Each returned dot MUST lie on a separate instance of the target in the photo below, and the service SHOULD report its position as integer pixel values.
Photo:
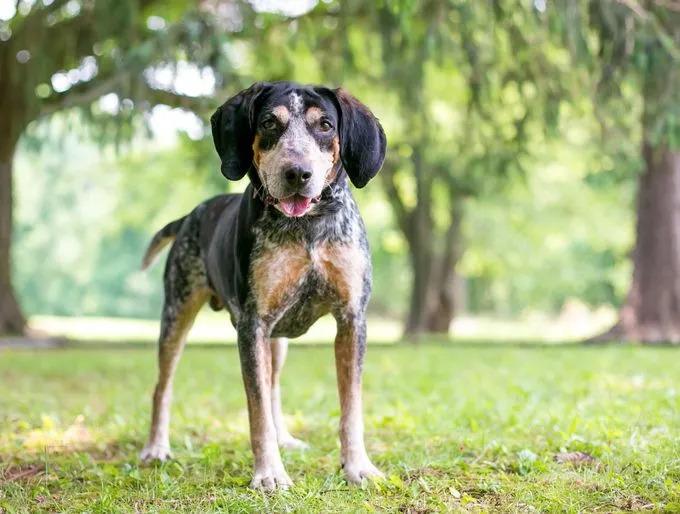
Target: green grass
(454, 427)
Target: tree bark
(12, 320)
(436, 294)
(420, 240)
(434, 297)
(651, 313)
(444, 286)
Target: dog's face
(298, 139)
(296, 149)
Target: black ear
(233, 131)
(362, 139)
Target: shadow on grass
(29, 465)
(115, 457)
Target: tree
(66, 54)
(466, 103)
(636, 49)
(459, 103)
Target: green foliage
(473, 428)
(85, 217)
(621, 45)
(465, 92)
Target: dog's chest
(294, 284)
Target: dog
(290, 249)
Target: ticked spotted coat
(288, 250)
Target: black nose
(297, 174)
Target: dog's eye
(269, 124)
(325, 125)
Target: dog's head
(299, 138)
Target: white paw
(153, 452)
(360, 468)
(292, 443)
(271, 478)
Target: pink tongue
(294, 205)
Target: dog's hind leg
(178, 316)
(279, 350)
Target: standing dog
(290, 249)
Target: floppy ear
(233, 131)
(362, 139)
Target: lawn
(454, 427)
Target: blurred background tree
(57, 55)
(512, 130)
(467, 100)
(630, 50)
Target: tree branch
(37, 11)
(143, 91)
(84, 93)
(87, 92)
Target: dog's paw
(151, 452)
(271, 478)
(359, 469)
(292, 443)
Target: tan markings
(343, 266)
(282, 113)
(345, 97)
(313, 115)
(333, 170)
(268, 472)
(275, 275)
(215, 303)
(348, 371)
(256, 150)
(154, 249)
(336, 150)
(348, 362)
(347, 367)
(259, 422)
(170, 349)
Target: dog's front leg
(255, 353)
(350, 346)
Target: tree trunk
(421, 267)
(12, 320)
(444, 286)
(420, 240)
(651, 313)
(434, 293)
(435, 290)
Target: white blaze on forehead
(296, 104)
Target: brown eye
(269, 124)
(325, 126)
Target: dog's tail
(162, 238)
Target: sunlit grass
(215, 327)
(455, 427)
(210, 327)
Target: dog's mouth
(293, 206)
(296, 205)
